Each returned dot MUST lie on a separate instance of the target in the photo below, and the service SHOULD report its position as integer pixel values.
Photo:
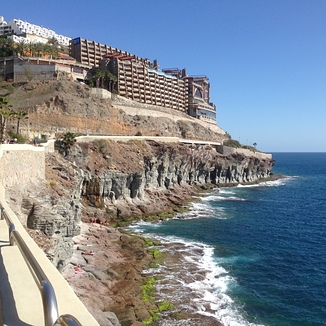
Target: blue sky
(265, 59)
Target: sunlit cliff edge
(107, 179)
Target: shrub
(19, 137)
(102, 145)
(53, 183)
(65, 144)
(232, 143)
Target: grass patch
(155, 313)
(158, 258)
(120, 224)
(149, 242)
(148, 289)
(53, 183)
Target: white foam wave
(201, 207)
(272, 183)
(197, 283)
(209, 198)
(226, 191)
(218, 197)
(197, 210)
(247, 186)
(231, 198)
(276, 183)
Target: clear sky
(265, 59)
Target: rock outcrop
(105, 181)
(51, 210)
(110, 182)
(144, 177)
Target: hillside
(61, 106)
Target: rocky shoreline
(110, 279)
(105, 272)
(112, 264)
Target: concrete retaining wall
(101, 93)
(21, 164)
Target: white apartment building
(22, 30)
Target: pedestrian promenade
(21, 298)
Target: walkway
(154, 138)
(21, 299)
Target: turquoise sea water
(253, 255)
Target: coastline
(110, 265)
(112, 276)
(109, 281)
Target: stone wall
(21, 164)
(101, 93)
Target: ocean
(250, 255)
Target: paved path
(155, 138)
(21, 298)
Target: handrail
(50, 306)
(67, 320)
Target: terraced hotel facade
(142, 80)
(138, 79)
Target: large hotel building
(138, 79)
(142, 80)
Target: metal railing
(50, 306)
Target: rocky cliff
(133, 178)
(115, 182)
(110, 182)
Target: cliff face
(115, 182)
(141, 177)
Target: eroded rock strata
(127, 178)
(105, 182)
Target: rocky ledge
(102, 184)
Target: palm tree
(53, 41)
(5, 114)
(20, 47)
(6, 47)
(98, 77)
(50, 51)
(39, 49)
(104, 79)
(31, 48)
(53, 47)
(110, 80)
(19, 115)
